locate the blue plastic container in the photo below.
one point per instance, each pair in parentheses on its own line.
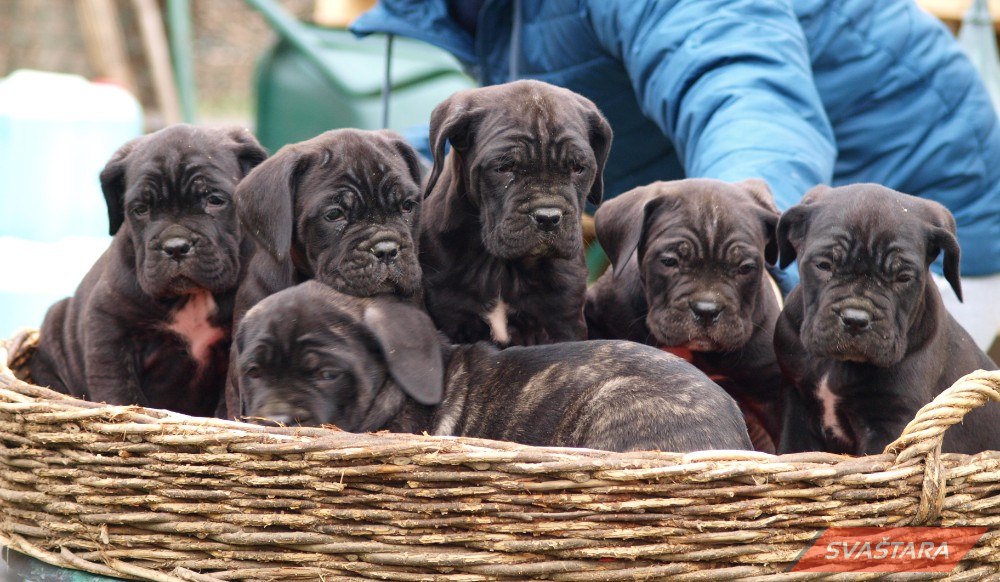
(56,133)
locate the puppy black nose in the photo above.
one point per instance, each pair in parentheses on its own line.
(546,219)
(177,247)
(705,310)
(855,319)
(386,251)
(285,419)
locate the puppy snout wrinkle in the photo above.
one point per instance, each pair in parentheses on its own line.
(386,250)
(177,247)
(546,218)
(855,320)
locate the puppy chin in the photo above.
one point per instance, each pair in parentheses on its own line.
(874,347)
(166,278)
(178,281)
(677,329)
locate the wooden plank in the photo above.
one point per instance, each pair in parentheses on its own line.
(154,39)
(105,41)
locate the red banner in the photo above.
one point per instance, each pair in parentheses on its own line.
(899,549)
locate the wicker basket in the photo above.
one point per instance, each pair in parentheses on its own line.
(139,493)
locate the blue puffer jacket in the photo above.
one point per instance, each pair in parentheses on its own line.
(798,92)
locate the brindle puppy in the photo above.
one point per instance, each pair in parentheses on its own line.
(342,208)
(688,262)
(501,239)
(865,338)
(310,355)
(150,323)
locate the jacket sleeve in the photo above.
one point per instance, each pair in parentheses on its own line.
(729,82)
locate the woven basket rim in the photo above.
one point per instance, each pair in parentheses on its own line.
(916,453)
(920,435)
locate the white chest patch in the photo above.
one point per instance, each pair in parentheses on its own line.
(497,320)
(828,400)
(193,323)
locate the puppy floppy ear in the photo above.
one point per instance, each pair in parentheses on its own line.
(791,230)
(265,200)
(942,235)
(453,121)
(249,152)
(113,185)
(600,135)
(412,348)
(621,223)
(794,223)
(406,152)
(768,212)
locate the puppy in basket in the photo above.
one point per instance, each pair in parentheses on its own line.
(310,356)
(865,337)
(150,323)
(342,208)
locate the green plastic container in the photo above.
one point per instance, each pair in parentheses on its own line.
(296,100)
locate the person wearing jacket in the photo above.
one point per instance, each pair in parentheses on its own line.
(797,92)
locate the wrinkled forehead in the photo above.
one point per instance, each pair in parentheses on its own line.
(181,161)
(354,165)
(533,120)
(712,215)
(873,233)
(303,321)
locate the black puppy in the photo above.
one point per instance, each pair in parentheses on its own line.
(150,323)
(342,208)
(501,240)
(688,272)
(865,337)
(310,355)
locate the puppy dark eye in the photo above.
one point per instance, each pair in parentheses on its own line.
(505,167)
(215,200)
(140,209)
(669,261)
(578,167)
(328,374)
(333,214)
(904,277)
(408,205)
(252,372)
(746,268)
(824,265)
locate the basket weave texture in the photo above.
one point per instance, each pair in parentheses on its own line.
(147,494)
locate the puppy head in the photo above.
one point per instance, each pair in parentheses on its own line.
(863,254)
(345,205)
(701,246)
(526,156)
(170,193)
(310,355)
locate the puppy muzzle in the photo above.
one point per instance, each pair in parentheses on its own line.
(702,321)
(853,330)
(177,261)
(543,227)
(382,264)
(274,412)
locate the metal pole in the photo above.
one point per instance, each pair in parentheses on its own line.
(179,19)
(387,81)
